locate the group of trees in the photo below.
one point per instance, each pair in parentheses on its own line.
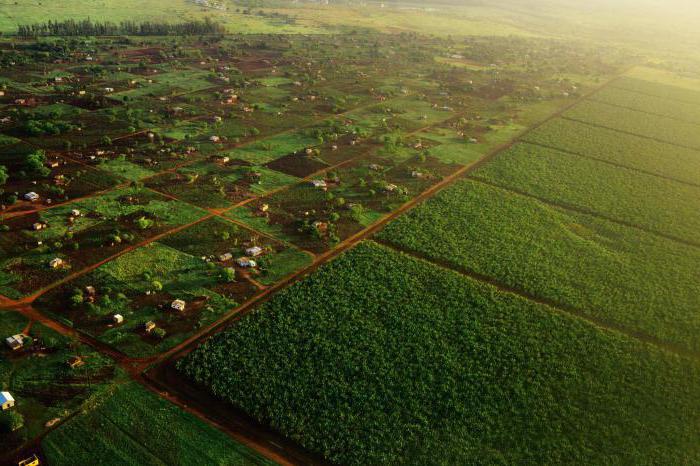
(88,27)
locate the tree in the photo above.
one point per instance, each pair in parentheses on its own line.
(35,163)
(158,286)
(77,298)
(3,175)
(159,333)
(228,275)
(11,421)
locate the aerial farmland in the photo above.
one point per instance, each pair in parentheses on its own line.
(241,232)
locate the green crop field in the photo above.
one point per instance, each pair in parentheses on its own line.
(133,426)
(379,358)
(606,271)
(687,112)
(650,202)
(666,87)
(619,148)
(655,127)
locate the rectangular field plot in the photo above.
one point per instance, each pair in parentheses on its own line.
(688,112)
(619,148)
(197,265)
(445,370)
(654,127)
(650,202)
(610,272)
(218,184)
(137,427)
(41,248)
(669,87)
(38,375)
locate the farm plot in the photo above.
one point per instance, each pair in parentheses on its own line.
(49,376)
(134,426)
(274,147)
(41,248)
(688,112)
(660,89)
(610,272)
(317,214)
(219,183)
(53,178)
(380,358)
(658,128)
(141,287)
(623,149)
(652,203)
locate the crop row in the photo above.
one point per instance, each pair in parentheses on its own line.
(607,271)
(689,112)
(619,148)
(654,127)
(653,203)
(379,358)
(135,427)
(666,91)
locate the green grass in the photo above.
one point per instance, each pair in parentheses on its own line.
(607,271)
(653,203)
(379,358)
(135,427)
(623,149)
(274,147)
(125,169)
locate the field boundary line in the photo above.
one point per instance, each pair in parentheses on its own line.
(630,133)
(611,163)
(558,307)
(585,211)
(594,98)
(673,99)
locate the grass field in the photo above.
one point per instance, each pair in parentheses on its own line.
(607,271)
(381,358)
(135,427)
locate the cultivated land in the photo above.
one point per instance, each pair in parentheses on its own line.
(131,425)
(382,358)
(155,189)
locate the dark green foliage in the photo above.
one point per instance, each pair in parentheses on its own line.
(379,358)
(608,271)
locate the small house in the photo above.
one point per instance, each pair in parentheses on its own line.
(226,257)
(75,361)
(75,213)
(30,461)
(264,208)
(390,188)
(255,251)
(118,318)
(149,326)
(178,305)
(109,89)
(214,138)
(246,262)
(39,226)
(31,196)
(417,174)
(321,227)
(375,167)
(15,342)
(6,401)
(56,263)
(319,183)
